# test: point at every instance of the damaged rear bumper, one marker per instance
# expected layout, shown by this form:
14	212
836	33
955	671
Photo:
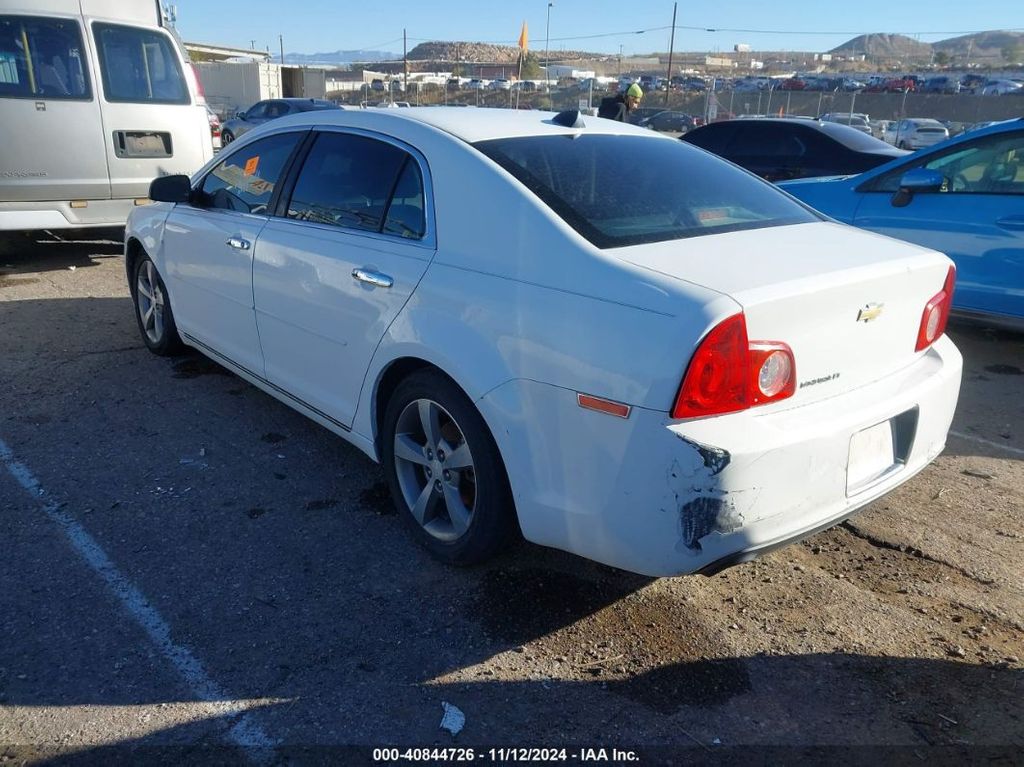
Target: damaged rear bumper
662	497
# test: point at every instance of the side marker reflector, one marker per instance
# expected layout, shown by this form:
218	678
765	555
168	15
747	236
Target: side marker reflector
607	406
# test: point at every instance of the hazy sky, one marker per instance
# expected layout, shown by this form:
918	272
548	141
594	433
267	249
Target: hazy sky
311	26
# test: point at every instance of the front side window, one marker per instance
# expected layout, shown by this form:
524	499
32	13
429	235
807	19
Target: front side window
347	181
989	165
627	190
246	180
42	58
139	65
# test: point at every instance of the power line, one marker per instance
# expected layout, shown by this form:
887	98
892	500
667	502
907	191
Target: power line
737	30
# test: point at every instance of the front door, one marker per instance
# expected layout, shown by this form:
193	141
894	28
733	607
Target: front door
977	218
210	246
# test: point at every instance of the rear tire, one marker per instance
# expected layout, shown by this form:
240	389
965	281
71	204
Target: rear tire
153	310
445	472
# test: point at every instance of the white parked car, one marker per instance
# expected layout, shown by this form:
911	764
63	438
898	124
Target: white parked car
1001	88
570	339
500	84
915	133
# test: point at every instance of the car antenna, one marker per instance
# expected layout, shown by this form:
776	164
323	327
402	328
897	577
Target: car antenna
570	118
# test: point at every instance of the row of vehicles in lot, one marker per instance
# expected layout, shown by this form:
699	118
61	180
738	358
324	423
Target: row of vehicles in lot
944	83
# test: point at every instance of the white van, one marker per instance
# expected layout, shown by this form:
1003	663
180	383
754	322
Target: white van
97	99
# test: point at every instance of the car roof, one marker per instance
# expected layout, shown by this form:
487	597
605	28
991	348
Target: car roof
470	125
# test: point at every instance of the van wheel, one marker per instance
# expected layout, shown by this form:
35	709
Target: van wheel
226	137
445	472
153	311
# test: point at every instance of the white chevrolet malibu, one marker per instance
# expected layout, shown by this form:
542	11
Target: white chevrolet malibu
605	339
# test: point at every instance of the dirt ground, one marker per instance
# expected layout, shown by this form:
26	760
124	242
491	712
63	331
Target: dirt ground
269	597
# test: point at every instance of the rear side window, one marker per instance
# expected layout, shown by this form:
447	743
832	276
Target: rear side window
246	180
765	140
139	66
712	137
619	190
347	181
42	58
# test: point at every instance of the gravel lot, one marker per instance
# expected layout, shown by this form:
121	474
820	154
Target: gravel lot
188	562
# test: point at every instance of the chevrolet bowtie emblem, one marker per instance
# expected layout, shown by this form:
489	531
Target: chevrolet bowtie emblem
870	312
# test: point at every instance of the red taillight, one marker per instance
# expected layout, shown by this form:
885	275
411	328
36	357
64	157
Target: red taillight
729	373
936	313
197	83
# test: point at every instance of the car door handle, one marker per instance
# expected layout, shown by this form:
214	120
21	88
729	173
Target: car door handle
239	244
1011	222
373	278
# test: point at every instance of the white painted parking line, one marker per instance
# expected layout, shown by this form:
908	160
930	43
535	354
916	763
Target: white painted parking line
245	733
980	441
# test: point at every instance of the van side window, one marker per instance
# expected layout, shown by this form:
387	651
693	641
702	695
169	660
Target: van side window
42	58
139	65
245	181
346	181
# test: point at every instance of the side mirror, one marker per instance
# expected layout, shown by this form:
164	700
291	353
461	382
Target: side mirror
914	182
171	189
240	115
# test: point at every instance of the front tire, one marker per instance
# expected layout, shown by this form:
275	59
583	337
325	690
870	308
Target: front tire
445	472
226	137
153	310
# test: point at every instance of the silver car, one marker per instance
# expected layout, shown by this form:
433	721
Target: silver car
265	111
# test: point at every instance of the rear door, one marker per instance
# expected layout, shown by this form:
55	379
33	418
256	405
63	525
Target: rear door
977	219
152	124
333	273
52	145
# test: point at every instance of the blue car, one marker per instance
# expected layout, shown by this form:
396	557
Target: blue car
963	197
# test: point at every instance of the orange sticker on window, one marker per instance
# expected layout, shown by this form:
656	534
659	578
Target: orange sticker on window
251	164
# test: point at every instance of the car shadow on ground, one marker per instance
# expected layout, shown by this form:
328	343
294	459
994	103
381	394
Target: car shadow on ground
46	251
816	706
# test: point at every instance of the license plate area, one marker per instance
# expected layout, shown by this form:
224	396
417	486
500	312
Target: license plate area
878	451
871	457
128	143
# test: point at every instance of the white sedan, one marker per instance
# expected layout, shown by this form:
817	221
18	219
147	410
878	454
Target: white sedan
604	339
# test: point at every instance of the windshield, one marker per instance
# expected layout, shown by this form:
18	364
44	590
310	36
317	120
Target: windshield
620	190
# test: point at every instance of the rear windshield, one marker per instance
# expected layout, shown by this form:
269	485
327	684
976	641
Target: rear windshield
42	58
620	190
853	138
139	66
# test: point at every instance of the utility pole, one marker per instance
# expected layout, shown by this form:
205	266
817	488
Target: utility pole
547	51
620	61
671	46
405	60
280	39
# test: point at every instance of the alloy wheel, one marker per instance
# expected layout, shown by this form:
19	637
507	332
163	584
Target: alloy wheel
435	471
150	302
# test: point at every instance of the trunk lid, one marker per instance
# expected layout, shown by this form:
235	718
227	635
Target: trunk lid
848	302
